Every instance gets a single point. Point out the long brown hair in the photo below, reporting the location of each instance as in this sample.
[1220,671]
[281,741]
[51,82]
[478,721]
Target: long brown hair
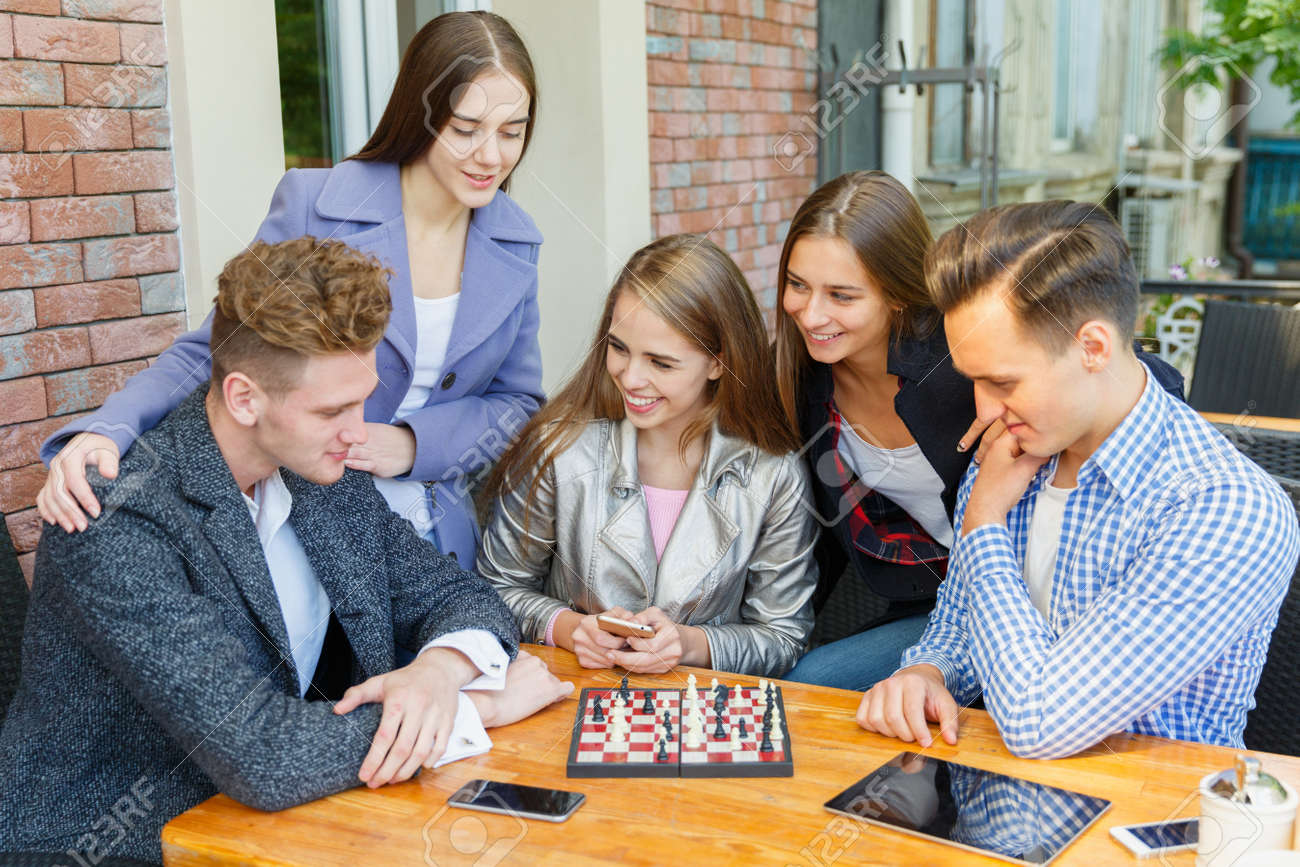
[690,283]
[884,225]
[444,55]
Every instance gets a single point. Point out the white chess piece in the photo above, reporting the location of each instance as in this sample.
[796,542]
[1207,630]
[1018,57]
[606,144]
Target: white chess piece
[735,738]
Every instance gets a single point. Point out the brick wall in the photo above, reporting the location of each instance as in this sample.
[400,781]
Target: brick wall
[89,288]
[726,86]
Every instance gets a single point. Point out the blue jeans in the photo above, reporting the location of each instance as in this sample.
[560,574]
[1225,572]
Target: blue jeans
[860,660]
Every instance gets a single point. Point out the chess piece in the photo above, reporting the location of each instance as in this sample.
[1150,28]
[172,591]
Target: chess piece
[691,740]
[623,692]
[735,740]
[649,706]
[597,714]
[663,751]
[719,731]
[668,726]
[766,745]
[743,733]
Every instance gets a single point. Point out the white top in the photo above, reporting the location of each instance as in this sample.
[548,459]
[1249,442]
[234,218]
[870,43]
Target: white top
[903,475]
[305,608]
[1044,541]
[433,321]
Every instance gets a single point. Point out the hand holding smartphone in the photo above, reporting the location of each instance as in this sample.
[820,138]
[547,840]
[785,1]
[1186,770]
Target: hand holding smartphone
[626,628]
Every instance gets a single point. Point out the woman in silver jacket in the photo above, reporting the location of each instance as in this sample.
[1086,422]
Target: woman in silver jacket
[661,485]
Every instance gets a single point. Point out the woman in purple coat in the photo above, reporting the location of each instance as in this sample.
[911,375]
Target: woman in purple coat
[459,367]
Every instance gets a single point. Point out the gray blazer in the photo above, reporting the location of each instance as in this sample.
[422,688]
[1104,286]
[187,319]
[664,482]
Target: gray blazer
[739,563]
[156,665]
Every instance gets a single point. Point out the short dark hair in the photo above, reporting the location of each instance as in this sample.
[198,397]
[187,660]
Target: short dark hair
[1062,263]
[277,304]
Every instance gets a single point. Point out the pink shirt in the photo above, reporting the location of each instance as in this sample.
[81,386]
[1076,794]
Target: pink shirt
[664,506]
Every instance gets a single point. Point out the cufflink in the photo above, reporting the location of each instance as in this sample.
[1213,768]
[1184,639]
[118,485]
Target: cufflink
[466,742]
[495,666]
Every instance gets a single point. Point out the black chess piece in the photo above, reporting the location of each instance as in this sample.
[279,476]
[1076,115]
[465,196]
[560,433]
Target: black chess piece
[663,751]
[743,733]
[597,715]
[766,745]
[668,726]
[649,706]
[719,731]
[622,689]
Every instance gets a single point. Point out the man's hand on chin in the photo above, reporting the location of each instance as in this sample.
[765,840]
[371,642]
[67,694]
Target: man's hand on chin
[419,711]
[1004,476]
[530,686]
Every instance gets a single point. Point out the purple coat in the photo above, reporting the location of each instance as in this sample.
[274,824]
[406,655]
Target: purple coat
[492,377]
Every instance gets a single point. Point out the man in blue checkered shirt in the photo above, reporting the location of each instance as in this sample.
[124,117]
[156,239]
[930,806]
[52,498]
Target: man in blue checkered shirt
[1118,564]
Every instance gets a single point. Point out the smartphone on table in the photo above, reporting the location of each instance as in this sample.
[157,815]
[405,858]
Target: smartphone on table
[1158,838]
[512,799]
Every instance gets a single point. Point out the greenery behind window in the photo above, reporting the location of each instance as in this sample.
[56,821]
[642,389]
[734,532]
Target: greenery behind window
[304,100]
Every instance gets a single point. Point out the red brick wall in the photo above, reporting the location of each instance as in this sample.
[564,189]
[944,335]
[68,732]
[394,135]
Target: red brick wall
[89,288]
[726,85]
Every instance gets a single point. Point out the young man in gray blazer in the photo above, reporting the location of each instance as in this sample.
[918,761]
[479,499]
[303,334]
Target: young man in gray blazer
[228,621]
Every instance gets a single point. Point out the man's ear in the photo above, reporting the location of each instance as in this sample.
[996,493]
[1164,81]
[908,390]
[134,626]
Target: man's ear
[1095,341]
[244,399]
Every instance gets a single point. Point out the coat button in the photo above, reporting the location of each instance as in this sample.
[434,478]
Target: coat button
[449,380]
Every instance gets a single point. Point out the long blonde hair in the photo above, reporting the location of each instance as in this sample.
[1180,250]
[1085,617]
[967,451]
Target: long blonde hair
[690,283]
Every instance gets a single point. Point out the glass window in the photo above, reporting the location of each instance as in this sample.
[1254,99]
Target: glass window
[338,60]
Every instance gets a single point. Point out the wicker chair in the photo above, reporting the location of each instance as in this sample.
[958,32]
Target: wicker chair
[1271,726]
[1277,451]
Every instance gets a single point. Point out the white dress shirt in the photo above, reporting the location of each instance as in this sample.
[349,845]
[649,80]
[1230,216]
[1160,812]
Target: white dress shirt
[305,608]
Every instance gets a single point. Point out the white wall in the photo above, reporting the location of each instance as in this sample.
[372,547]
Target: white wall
[223,74]
[586,178]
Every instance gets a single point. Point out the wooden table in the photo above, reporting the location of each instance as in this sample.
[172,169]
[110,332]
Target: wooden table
[689,821]
[1264,422]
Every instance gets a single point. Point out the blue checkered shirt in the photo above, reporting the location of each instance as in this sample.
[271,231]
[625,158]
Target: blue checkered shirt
[1175,554]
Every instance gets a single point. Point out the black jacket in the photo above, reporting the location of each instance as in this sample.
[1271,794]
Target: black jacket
[937,404]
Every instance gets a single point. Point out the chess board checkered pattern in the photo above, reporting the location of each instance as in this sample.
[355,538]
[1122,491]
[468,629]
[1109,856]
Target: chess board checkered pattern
[593,754]
[748,705]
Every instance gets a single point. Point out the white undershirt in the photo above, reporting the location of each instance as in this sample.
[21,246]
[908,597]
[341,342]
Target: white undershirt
[433,321]
[305,608]
[904,476]
[1044,541]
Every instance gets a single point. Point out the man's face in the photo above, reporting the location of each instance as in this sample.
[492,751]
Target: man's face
[1045,398]
[309,428]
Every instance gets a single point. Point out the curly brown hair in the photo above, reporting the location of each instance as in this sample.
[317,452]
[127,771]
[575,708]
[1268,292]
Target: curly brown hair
[277,304]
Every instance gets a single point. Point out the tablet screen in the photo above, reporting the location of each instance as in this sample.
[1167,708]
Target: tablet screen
[1008,818]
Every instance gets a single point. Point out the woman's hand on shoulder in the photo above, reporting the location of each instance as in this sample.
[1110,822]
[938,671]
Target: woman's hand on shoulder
[66,498]
[389,450]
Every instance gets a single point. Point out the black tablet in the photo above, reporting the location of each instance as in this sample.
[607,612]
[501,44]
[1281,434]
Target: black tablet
[993,814]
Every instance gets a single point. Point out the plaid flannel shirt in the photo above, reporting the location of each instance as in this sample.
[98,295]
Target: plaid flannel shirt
[1175,554]
[877,525]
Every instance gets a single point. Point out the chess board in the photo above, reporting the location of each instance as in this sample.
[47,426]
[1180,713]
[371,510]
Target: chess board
[593,754]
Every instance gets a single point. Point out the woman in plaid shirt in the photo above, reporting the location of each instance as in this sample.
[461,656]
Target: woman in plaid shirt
[864,370]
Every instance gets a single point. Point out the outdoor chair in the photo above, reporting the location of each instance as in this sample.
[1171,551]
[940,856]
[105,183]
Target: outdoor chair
[1248,360]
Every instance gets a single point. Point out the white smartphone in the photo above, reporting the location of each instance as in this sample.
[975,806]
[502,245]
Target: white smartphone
[1158,838]
[511,799]
[625,628]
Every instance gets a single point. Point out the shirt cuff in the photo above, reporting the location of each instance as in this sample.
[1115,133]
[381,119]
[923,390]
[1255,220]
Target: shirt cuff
[468,737]
[483,649]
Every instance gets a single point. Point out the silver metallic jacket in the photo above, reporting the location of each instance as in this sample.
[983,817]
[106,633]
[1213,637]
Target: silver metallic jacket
[739,562]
